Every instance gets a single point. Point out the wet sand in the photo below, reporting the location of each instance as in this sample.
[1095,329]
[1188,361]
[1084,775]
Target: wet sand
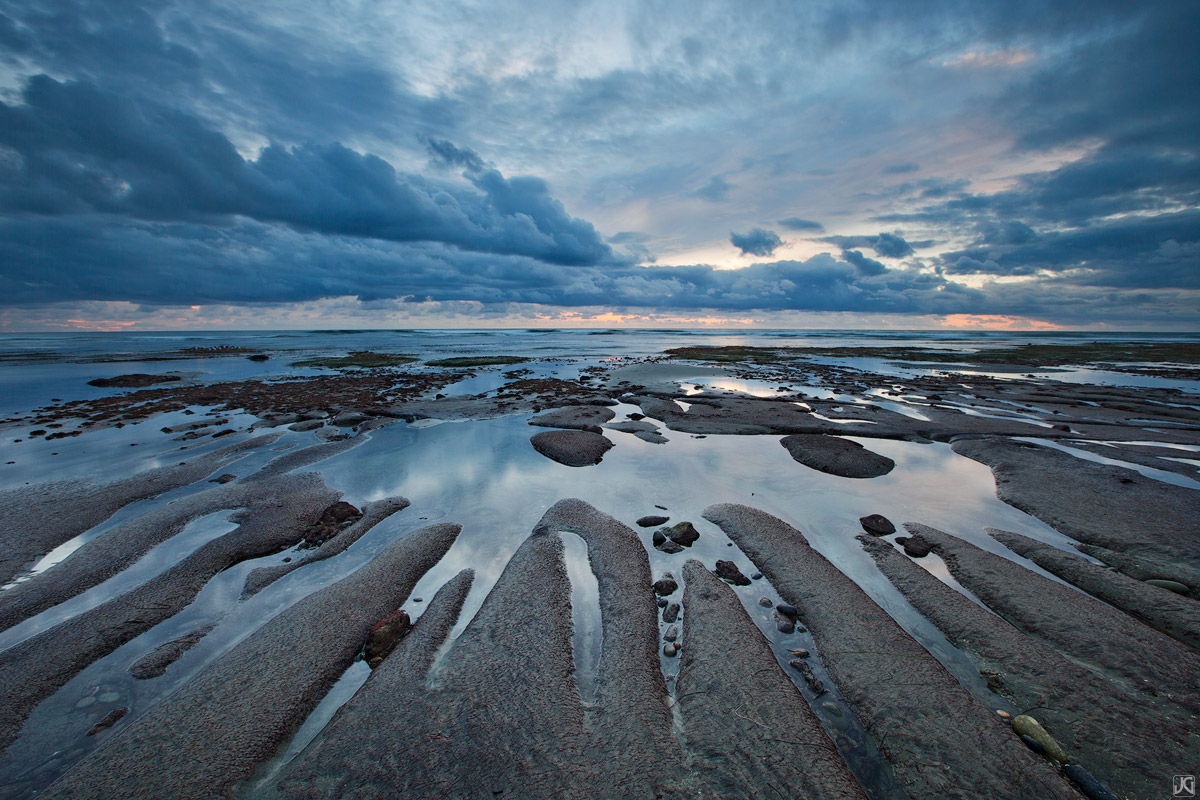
[247,641]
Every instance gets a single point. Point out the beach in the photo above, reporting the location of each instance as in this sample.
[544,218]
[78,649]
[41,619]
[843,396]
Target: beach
[630,564]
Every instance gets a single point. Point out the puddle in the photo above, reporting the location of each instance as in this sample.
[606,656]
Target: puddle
[587,637]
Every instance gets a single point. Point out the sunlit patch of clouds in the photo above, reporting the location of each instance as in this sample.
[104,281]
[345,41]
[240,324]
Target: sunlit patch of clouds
[980,59]
[998,322]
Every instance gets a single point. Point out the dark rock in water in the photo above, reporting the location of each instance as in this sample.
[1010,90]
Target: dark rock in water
[684,533]
[877,525]
[814,683]
[765,602]
[670,649]
[836,456]
[1088,785]
[756,576]
[784,623]
[1033,744]
[333,519]
[660,508]
[384,636]
[662,602]
[671,612]
[1169,585]
[134,381]
[916,547]
[671,634]
[728,571]
[584,418]
[226,478]
[636,416]
[110,719]
[665,585]
[658,538]
[786,610]
[669,547]
[572,448]
[348,419]
[259,357]
[901,539]
[799,652]
[651,521]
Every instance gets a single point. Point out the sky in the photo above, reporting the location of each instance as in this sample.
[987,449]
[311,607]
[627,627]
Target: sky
[1027,164]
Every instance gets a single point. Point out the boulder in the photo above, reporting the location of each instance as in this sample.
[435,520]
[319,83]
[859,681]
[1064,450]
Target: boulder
[683,534]
[572,448]
[836,456]
[665,585]
[1025,725]
[728,572]
[651,521]
[877,525]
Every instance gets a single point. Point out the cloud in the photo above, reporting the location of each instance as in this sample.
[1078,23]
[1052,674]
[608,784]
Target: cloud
[447,154]
[715,191]
[86,150]
[798,224]
[888,245]
[757,242]
[900,169]
[865,266]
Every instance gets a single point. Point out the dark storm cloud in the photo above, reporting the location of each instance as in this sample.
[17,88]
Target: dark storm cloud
[866,266]
[85,150]
[58,259]
[757,242]
[888,245]
[798,224]
[448,155]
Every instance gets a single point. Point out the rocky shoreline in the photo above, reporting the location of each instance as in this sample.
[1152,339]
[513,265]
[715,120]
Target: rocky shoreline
[701,688]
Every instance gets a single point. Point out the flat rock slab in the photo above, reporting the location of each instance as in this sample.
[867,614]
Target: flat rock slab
[836,456]
[207,737]
[572,448]
[584,418]
[1176,616]
[939,740]
[1127,738]
[753,737]
[136,380]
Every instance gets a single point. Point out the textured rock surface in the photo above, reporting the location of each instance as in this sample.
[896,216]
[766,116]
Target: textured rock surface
[837,456]
[754,737]
[207,737]
[573,448]
[1121,733]
[953,748]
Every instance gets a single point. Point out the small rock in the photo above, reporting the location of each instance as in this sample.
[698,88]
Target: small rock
[1002,714]
[784,624]
[799,652]
[226,478]
[1091,788]
[901,539]
[671,634]
[916,547]
[635,417]
[652,520]
[1169,585]
[877,525]
[259,357]
[656,505]
[85,702]
[665,585]
[1033,744]
[832,708]
[670,649]
[684,534]
[384,635]
[418,599]
[669,547]
[662,602]
[110,719]
[671,612]
[108,697]
[765,602]
[756,576]
[786,610]
[728,571]
[1026,725]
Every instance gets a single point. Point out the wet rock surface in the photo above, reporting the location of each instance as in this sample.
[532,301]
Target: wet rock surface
[728,571]
[572,448]
[877,525]
[584,418]
[954,748]
[1107,723]
[837,456]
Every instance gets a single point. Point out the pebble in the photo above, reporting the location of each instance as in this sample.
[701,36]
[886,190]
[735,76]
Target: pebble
[85,702]
[671,612]
[832,708]
[814,683]
[786,610]
[109,697]
[1170,586]
[665,585]
[799,652]
[1091,788]
[418,599]
[765,602]
[651,521]
[877,525]
[729,572]
[784,624]
[670,649]
[662,602]
[1033,744]
[1026,725]
[1000,712]
[916,547]
[672,634]
[756,576]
